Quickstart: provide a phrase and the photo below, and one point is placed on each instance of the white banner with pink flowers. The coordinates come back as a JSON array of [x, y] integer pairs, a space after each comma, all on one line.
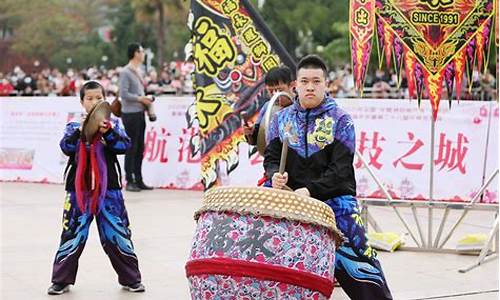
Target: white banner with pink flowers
[[31, 128], [394, 138], [395, 141]]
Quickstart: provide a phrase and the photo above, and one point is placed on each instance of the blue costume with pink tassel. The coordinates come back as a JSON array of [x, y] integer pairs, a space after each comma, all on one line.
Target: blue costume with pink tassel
[[93, 185]]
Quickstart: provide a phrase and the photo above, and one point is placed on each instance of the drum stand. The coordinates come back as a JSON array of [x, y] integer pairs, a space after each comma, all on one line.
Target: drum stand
[[484, 256], [430, 244], [436, 246]]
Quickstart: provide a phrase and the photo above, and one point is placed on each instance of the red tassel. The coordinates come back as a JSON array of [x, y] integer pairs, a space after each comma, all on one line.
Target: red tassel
[[80, 184], [88, 184], [96, 178]]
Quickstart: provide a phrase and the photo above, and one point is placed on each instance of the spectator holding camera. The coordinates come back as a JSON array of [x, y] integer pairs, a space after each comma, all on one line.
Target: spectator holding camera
[[134, 105]]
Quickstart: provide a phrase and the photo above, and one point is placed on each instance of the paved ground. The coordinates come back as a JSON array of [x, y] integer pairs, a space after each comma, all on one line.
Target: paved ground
[[162, 227]]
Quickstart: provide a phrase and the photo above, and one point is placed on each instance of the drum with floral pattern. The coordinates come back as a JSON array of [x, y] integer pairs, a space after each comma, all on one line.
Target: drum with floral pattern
[[246, 256]]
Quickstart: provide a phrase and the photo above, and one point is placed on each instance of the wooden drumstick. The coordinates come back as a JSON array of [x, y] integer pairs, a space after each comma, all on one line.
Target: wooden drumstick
[[284, 152]]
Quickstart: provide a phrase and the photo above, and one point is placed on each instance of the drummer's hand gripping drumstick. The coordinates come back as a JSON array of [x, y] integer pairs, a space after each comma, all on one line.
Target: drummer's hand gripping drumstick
[[284, 152]]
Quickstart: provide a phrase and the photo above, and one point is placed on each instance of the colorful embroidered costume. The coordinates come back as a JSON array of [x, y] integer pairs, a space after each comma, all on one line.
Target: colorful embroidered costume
[[90, 166]]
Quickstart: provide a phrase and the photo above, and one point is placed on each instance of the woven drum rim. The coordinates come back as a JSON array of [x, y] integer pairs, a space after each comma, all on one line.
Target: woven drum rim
[[279, 204]]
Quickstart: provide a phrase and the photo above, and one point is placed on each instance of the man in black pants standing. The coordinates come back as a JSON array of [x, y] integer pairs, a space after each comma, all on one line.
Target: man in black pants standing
[[134, 105]]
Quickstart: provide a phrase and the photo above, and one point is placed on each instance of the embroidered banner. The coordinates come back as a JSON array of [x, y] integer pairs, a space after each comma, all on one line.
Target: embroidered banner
[[436, 39], [232, 50], [362, 23]]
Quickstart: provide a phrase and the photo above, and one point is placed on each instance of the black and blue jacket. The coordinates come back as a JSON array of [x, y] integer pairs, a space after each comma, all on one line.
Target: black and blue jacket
[[320, 152]]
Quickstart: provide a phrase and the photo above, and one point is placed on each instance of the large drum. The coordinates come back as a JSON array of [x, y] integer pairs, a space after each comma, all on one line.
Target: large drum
[[262, 243]]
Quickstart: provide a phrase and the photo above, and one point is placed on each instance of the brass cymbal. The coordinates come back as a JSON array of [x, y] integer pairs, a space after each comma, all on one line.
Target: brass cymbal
[[266, 120], [100, 111]]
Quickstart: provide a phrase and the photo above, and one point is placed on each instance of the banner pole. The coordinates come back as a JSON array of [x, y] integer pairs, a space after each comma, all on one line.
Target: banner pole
[[490, 108], [431, 183]]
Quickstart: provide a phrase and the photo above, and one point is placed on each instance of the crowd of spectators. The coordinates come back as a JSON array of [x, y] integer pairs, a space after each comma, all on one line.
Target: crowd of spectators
[[174, 79]]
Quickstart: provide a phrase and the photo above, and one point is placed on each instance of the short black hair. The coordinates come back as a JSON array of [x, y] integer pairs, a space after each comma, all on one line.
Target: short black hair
[[312, 61], [132, 48], [278, 75], [91, 85]]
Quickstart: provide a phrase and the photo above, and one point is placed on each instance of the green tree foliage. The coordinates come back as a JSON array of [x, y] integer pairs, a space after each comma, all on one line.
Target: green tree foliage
[[315, 26], [55, 30], [126, 29], [168, 22], [7, 20]]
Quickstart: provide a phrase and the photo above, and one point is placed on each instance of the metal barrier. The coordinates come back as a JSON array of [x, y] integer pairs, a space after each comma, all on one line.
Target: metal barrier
[[436, 244]]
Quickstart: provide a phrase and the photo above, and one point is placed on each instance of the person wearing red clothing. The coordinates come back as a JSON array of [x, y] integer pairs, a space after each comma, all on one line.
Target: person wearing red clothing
[[6, 87]]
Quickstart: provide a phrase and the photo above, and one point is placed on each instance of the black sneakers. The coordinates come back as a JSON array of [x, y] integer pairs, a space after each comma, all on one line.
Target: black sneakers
[[142, 186], [132, 187], [137, 187], [135, 288], [61, 288], [58, 289]]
